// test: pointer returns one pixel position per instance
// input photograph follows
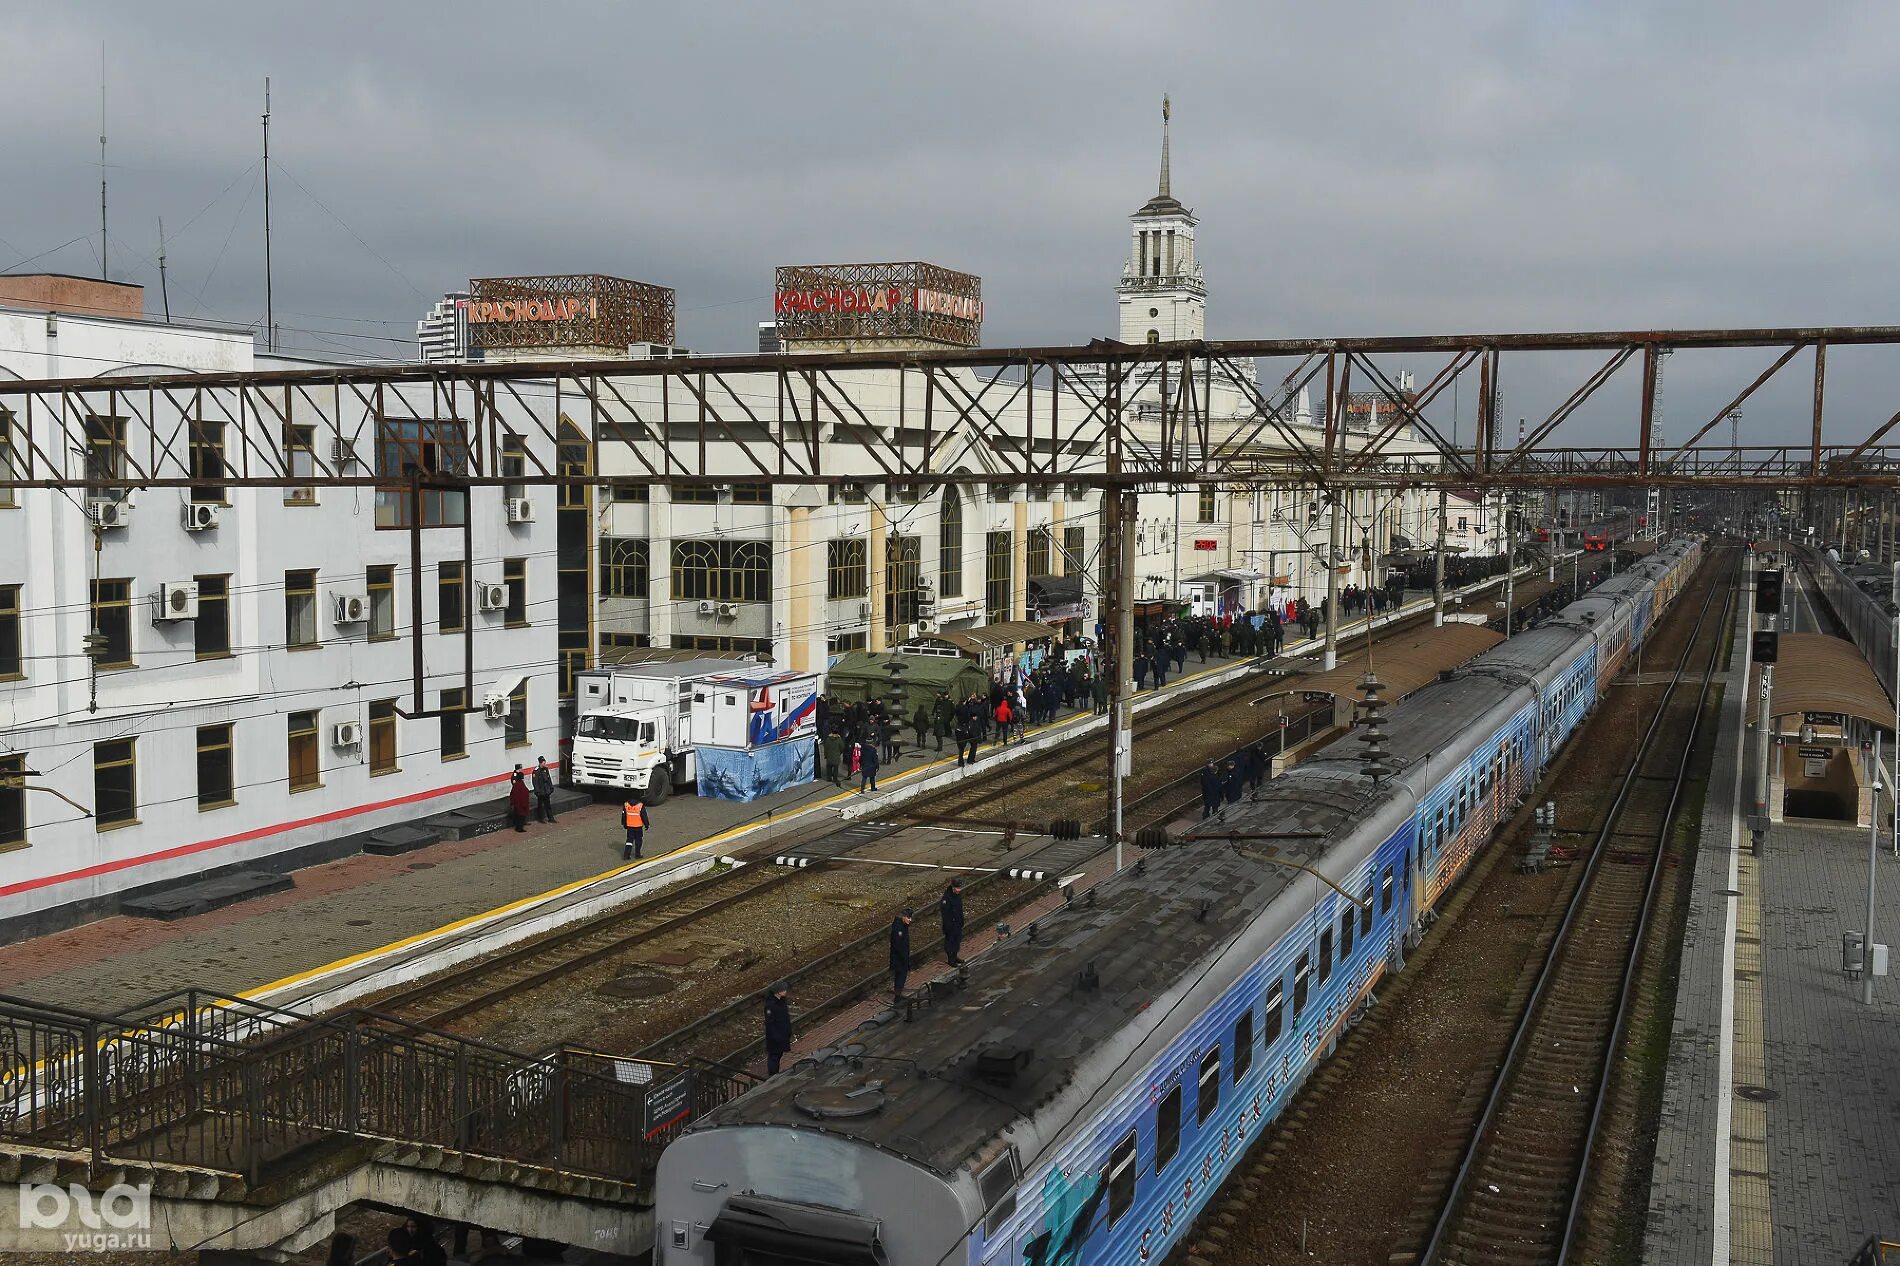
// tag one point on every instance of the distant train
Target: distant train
(1602, 534)
(1080, 1099)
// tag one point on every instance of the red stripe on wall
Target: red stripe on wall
(186, 850)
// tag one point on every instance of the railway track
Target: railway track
(1515, 1195)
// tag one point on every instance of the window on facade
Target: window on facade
(1074, 547)
(950, 544)
(1209, 507)
(841, 642)
(12, 800)
(115, 782)
(752, 494)
(8, 466)
(694, 494)
(300, 608)
(451, 597)
(1040, 539)
(998, 554)
(304, 772)
(1210, 1085)
(1302, 976)
(454, 723)
(514, 574)
(300, 460)
(1276, 1014)
(627, 490)
(1120, 1179)
(105, 455)
(846, 568)
(903, 578)
(215, 786)
(382, 736)
(1168, 1127)
(997, 1186)
(514, 465)
(112, 617)
(515, 727)
(722, 571)
(12, 659)
(1243, 1044)
(407, 447)
(211, 631)
(382, 603)
(623, 567)
(207, 459)
(573, 458)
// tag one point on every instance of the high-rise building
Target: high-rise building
(768, 338)
(443, 334)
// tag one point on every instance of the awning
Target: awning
(989, 637)
(1236, 574)
(1818, 673)
(797, 1232)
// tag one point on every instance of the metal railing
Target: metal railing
(228, 1084)
(1864, 616)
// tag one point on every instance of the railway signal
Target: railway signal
(1768, 594)
(1766, 644)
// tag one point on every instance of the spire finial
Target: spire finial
(1164, 145)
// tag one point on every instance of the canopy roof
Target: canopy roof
(1818, 673)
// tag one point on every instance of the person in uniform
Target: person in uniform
(951, 908)
(778, 1025)
(900, 952)
(636, 817)
(543, 790)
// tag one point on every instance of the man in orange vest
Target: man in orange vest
(635, 816)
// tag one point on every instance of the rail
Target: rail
(239, 1087)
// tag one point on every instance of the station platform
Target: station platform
(1779, 1139)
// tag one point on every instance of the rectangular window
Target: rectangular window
(515, 727)
(1326, 955)
(631, 493)
(1208, 507)
(412, 447)
(1385, 892)
(304, 772)
(451, 597)
(752, 494)
(1040, 542)
(300, 460)
(1243, 1045)
(382, 736)
(1120, 1179)
(1074, 547)
(903, 580)
(1168, 1128)
(1365, 914)
(1347, 922)
(454, 724)
(1276, 1013)
(624, 567)
(8, 465)
(1210, 1085)
(997, 1186)
(722, 571)
(382, 603)
(514, 574)
(112, 616)
(12, 660)
(1302, 975)
(105, 455)
(999, 553)
(300, 608)
(950, 545)
(211, 631)
(694, 494)
(12, 800)
(847, 568)
(514, 465)
(115, 783)
(207, 460)
(215, 786)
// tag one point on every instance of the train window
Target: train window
(997, 1186)
(1243, 1045)
(1300, 973)
(1345, 932)
(1365, 914)
(1210, 1085)
(1121, 1179)
(1276, 1013)
(1168, 1128)
(1385, 892)
(1326, 954)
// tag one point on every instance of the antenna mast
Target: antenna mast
(163, 292)
(102, 162)
(270, 317)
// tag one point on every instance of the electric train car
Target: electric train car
(1079, 1098)
(1601, 535)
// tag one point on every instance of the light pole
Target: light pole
(1873, 863)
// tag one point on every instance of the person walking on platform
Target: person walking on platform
(868, 762)
(1004, 715)
(1098, 693)
(1210, 790)
(778, 1026)
(951, 908)
(543, 790)
(636, 817)
(518, 800)
(920, 725)
(900, 952)
(1234, 781)
(1141, 672)
(833, 749)
(943, 722)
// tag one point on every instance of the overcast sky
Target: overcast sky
(1358, 168)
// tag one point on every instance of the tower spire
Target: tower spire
(1165, 192)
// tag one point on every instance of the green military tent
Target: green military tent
(862, 675)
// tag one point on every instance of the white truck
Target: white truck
(639, 724)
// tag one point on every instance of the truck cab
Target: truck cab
(622, 747)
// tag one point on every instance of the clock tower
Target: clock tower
(1163, 295)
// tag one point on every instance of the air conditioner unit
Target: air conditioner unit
(708, 607)
(491, 597)
(346, 734)
(728, 610)
(495, 708)
(520, 510)
(176, 601)
(200, 515)
(349, 608)
(925, 627)
(926, 584)
(112, 514)
(342, 452)
(864, 611)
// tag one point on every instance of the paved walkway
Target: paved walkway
(1780, 1140)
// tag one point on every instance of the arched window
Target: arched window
(950, 544)
(1154, 336)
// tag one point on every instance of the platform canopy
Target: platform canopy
(1405, 663)
(1818, 673)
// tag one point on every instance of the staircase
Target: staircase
(250, 1126)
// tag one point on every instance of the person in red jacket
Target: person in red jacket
(518, 799)
(1004, 716)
